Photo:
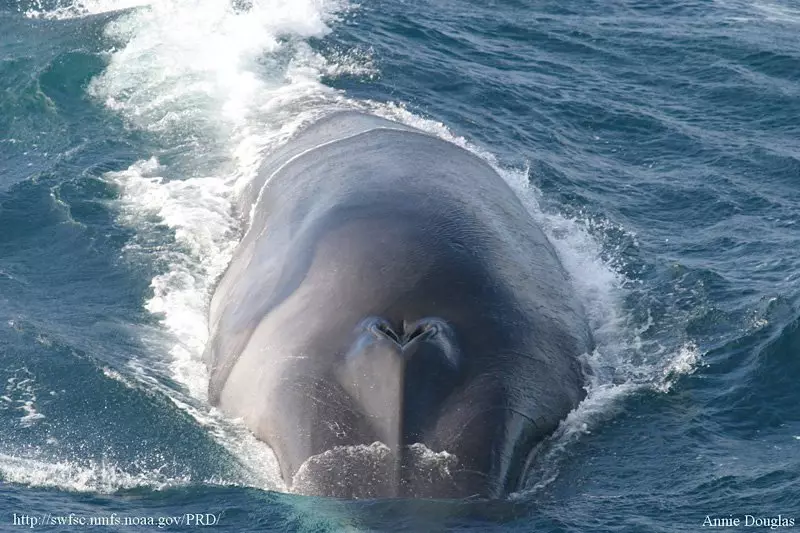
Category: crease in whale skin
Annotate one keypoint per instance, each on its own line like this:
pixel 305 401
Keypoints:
pixel 393 323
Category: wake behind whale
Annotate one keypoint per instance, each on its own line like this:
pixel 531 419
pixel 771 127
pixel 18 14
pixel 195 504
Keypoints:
pixel 393 300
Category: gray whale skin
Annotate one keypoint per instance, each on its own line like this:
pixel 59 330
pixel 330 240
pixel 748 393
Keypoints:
pixel 393 323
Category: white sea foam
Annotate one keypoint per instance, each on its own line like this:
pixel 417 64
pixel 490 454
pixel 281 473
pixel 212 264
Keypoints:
pixel 20 396
pixel 71 9
pixel 91 476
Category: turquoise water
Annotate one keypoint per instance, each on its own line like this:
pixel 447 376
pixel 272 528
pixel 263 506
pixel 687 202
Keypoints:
pixel 658 143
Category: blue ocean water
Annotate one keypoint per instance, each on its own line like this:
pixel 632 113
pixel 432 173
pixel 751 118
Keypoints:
pixel 658 143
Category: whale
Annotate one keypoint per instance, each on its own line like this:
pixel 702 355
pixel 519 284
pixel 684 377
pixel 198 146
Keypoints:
pixel 394 323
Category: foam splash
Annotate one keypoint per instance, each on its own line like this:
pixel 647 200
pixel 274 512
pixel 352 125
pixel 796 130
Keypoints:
pixel 367 471
pixel 20 395
pixel 682 363
pixel 71 9
pixel 197 210
pixel 204 67
pixel 96 477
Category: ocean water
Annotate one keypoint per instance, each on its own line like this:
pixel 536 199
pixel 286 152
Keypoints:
pixel 657 142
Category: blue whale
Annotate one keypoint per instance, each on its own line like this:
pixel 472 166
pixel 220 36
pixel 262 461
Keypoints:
pixel 394 323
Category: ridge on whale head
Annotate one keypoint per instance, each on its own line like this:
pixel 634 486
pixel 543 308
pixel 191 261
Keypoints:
pixel 394 323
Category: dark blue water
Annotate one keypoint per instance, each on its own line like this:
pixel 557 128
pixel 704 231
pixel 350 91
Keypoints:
pixel 657 142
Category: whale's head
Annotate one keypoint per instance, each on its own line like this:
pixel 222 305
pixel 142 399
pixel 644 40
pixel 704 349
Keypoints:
pixel 399 411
